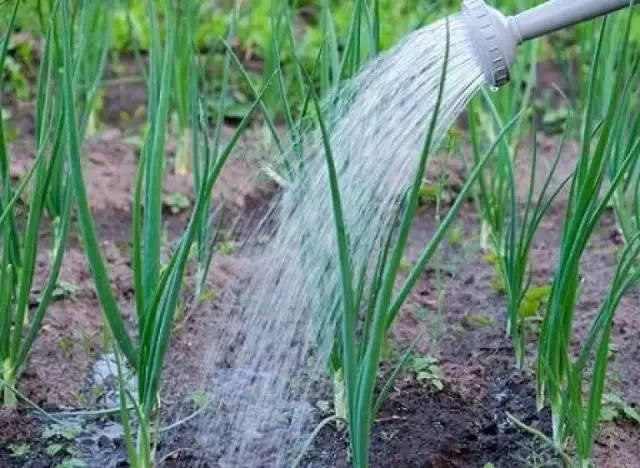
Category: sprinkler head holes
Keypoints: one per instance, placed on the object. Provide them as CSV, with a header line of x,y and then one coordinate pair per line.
x,y
494,40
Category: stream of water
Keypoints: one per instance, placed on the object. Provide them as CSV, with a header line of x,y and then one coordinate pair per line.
x,y
265,363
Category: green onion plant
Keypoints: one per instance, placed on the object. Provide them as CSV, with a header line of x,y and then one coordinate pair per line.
x,y
361,336
338,59
588,199
580,413
157,286
207,149
523,299
91,35
486,118
573,50
94,35
626,198
19,325
184,57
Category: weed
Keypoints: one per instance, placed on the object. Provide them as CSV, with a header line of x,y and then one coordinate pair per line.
x,y
207,296
531,311
63,290
72,462
66,345
201,398
177,202
615,408
66,432
472,322
427,371
227,247
17,79
19,450
455,237
54,449
405,266
82,338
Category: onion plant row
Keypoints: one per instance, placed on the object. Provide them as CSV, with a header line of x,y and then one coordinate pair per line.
x,y
588,200
362,335
50,193
157,286
607,175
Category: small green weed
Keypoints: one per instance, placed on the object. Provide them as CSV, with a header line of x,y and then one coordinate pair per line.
x,y
72,463
498,282
207,296
615,408
54,449
535,299
177,202
472,322
389,435
324,406
65,344
226,247
427,371
83,339
65,290
180,313
405,266
430,192
554,120
201,398
455,237
17,79
59,431
19,450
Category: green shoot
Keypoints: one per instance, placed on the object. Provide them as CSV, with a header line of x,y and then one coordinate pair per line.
x,y
91,37
485,119
518,240
626,198
184,57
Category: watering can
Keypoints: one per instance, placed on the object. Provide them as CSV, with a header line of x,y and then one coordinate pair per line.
x,y
495,37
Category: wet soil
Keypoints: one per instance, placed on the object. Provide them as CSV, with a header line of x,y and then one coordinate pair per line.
x,y
421,427
464,425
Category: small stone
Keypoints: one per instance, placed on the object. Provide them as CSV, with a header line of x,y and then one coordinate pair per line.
x,y
105,442
112,134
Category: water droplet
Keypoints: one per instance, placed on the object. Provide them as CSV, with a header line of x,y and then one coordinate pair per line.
x,y
494,89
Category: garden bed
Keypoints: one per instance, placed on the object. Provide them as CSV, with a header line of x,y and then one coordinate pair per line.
x,y
462,425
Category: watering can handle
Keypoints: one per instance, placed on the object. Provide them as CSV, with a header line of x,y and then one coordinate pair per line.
x,y
559,14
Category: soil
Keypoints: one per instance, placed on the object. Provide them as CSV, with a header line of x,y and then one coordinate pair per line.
x,y
463,425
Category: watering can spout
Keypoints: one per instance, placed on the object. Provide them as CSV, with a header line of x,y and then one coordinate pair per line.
x,y
495,37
